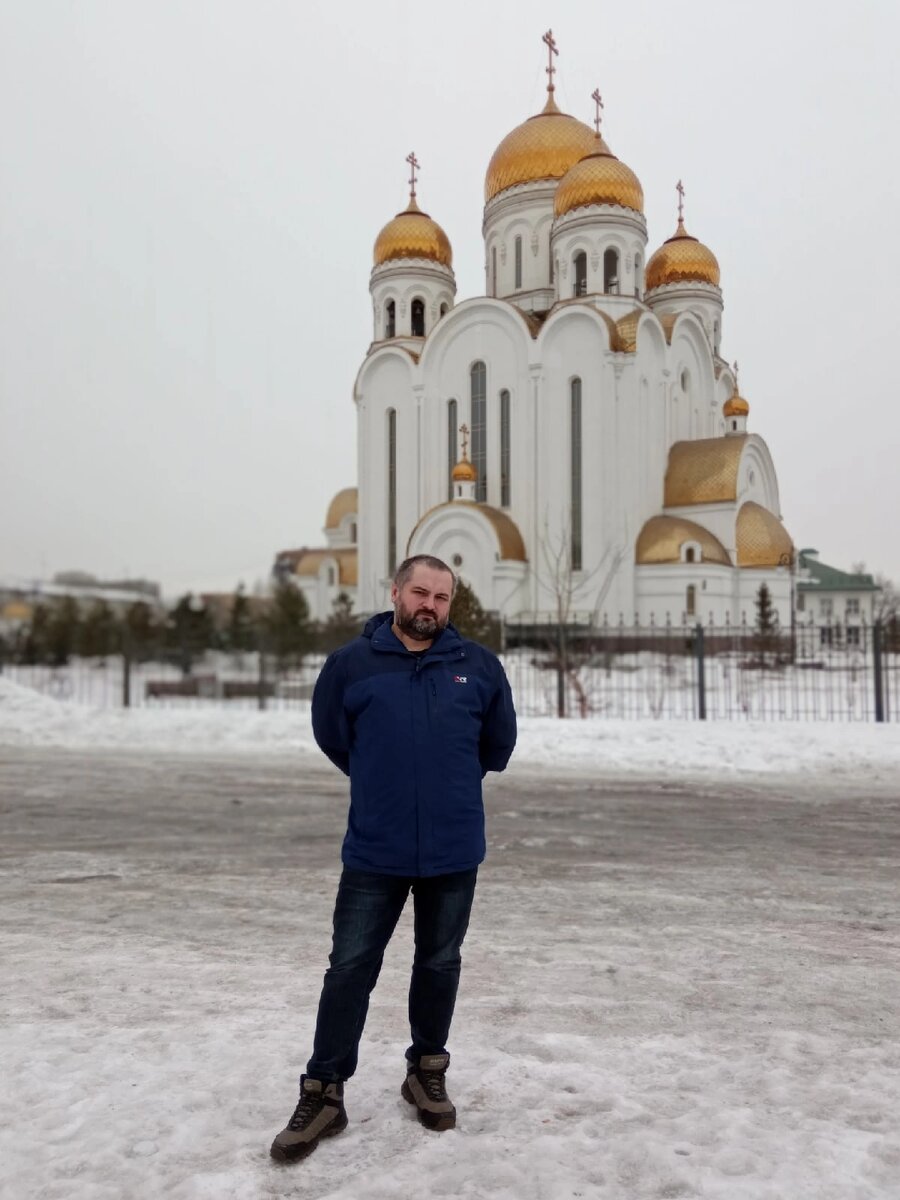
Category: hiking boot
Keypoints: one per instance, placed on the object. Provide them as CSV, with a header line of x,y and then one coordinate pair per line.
x,y
424,1087
319,1114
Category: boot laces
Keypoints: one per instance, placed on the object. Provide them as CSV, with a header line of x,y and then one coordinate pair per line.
x,y
433,1082
307,1108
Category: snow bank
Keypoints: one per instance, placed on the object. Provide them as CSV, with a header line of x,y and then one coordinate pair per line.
x,y
611,747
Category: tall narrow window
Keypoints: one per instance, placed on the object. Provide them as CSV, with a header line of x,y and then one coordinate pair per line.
x,y
493,270
417,318
611,271
452,427
391,491
690,600
580,265
504,449
518,253
390,319
575,435
479,427
638,280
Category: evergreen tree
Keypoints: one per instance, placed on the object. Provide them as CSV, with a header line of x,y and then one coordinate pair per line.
x,y
63,630
240,634
189,632
98,635
767,628
287,631
342,626
141,632
471,620
35,642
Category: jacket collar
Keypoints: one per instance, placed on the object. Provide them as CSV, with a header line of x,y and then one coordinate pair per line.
x,y
447,644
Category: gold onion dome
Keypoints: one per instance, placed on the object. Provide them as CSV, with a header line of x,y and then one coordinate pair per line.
x,y
598,178
464,472
543,147
413,234
681,259
762,540
736,405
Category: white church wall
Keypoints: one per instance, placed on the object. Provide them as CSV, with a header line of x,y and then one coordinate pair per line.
x,y
525,212
662,593
593,232
402,281
384,382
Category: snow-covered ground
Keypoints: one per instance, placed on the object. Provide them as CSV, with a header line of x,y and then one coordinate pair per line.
x,y
604,748
682,977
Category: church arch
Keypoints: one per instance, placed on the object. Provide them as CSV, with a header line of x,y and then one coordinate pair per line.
x,y
611,271
390,319
417,317
579,273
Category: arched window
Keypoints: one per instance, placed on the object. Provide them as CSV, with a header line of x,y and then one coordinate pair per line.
x,y
493,270
579,264
353,532
504,449
417,318
390,319
690,554
575,448
391,491
611,271
690,600
478,380
444,310
331,576
716,336
518,259
452,450
638,280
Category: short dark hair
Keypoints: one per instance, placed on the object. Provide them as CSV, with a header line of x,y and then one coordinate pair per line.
x,y
406,568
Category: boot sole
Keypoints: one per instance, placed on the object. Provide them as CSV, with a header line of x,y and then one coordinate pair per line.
x,y
289,1154
437,1122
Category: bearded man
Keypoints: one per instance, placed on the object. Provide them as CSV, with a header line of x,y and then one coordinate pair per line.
x,y
416,716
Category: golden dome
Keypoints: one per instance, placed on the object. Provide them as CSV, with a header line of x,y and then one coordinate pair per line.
x,y
736,405
413,234
681,259
543,147
661,539
598,178
704,471
464,472
762,540
310,562
345,502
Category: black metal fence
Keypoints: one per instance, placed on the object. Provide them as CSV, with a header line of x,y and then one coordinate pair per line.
x,y
688,672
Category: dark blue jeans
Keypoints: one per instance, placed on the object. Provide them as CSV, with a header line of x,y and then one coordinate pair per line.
x,y
365,915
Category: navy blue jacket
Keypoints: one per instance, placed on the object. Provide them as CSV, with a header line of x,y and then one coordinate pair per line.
x,y
416,734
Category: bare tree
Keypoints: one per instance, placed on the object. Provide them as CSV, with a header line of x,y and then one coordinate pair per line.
x,y
559,581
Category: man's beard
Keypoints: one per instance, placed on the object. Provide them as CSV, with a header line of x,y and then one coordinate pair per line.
x,y
419,625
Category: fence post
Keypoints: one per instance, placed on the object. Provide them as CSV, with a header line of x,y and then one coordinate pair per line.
x,y
878,673
126,671
560,670
701,671
261,685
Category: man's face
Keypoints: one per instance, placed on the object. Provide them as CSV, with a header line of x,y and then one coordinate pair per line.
x,y
422,605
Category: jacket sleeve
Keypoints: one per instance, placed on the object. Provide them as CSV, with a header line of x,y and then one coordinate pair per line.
x,y
331,729
498,729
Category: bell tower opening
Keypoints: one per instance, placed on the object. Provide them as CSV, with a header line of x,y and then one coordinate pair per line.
x,y
580,266
417,318
611,272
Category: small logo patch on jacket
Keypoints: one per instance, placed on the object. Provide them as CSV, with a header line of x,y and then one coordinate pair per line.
x,y
459,679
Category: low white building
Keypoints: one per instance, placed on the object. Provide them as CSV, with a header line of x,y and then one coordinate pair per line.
x,y
838,602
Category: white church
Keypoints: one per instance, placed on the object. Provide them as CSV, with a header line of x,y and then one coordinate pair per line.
x,y
574,439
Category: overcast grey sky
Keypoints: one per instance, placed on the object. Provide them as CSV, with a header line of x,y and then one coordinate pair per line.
x,y
189,193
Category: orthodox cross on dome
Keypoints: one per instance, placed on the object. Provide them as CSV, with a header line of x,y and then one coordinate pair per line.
x,y
413,167
550,41
679,188
734,364
464,430
598,108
